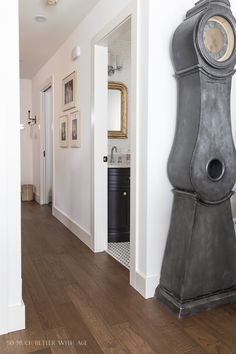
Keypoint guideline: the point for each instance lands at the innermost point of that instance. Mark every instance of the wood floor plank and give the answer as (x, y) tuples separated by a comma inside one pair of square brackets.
[(42, 302), (196, 351), (77, 329), (22, 342), (43, 351), (32, 319), (104, 300), (132, 340), (61, 342), (221, 325), (207, 340), (94, 320), (50, 280)]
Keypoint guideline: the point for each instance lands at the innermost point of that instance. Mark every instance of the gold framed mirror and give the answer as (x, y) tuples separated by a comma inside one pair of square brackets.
[(117, 110)]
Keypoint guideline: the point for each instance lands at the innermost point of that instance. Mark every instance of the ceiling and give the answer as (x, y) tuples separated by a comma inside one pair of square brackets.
[(39, 41)]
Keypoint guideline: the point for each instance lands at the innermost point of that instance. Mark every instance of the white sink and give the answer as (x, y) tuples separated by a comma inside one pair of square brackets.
[(120, 161), (118, 166)]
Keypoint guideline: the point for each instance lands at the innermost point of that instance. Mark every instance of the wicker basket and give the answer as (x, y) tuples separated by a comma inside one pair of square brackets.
[(27, 193)]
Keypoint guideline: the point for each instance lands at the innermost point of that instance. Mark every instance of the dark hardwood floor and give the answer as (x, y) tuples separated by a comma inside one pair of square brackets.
[(79, 302)]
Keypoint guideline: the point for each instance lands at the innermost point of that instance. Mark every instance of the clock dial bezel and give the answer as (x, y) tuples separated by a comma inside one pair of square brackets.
[(225, 50), (230, 31)]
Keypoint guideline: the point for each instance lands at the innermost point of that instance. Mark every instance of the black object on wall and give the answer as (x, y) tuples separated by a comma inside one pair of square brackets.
[(199, 266), (118, 204)]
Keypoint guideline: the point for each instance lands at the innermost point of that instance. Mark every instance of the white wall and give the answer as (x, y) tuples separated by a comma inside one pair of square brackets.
[(159, 130), (123, 49), (26, 134), (73, 166), (11, 306)]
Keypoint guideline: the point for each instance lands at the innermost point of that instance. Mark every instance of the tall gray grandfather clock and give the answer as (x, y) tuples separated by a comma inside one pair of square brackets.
[(199, 265)]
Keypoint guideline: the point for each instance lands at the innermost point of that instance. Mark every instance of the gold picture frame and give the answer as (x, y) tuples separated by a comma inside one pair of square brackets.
[(63, 133), (74, 130), (69, 91), (123, 132)]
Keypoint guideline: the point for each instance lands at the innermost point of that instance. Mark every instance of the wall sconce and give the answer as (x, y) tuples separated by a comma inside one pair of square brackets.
[(75, 54), (51, 2), (31, 121), (114, 64)]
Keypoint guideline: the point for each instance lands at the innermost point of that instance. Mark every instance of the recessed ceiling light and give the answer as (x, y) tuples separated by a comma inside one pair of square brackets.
[(40, 18)]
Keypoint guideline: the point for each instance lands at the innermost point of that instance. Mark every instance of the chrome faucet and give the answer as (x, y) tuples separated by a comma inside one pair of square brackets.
[(114, 148)]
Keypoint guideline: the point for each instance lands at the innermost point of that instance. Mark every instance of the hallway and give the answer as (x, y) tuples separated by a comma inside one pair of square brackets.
[(82, 303)]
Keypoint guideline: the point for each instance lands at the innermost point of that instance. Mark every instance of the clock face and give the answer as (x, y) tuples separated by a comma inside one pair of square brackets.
[(218, 37)]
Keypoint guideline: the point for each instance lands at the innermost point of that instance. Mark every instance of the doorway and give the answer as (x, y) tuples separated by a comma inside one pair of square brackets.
[(119, 147), (47, 147), (102, 149)]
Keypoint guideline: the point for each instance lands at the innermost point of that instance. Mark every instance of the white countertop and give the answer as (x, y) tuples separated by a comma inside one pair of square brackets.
[(117, 166)]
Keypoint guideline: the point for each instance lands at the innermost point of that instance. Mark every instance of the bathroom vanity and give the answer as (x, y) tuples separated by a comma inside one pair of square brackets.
[(118, 204), (118, 165)]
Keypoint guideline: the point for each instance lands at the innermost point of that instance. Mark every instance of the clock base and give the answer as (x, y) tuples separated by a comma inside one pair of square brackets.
[(193, 306), (199, 265)]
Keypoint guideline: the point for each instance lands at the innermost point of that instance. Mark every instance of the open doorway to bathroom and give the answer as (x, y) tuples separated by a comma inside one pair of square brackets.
[(114, 128), (119, 148)]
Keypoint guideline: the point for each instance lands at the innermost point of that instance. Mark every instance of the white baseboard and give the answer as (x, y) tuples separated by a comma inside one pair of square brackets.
[(16, 318), (146, 285), (76, 229), (37, 198)]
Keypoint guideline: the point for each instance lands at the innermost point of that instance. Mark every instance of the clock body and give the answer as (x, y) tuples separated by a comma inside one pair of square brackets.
[(203, 158), (199, 265)]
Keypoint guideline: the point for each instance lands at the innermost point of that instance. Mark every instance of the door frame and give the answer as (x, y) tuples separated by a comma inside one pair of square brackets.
[(4, 142), (47, 84), (99, 206)]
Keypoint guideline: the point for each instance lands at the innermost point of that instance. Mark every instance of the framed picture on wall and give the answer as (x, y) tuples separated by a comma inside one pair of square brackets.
[(75, 129), (69, 91), (63, 131)]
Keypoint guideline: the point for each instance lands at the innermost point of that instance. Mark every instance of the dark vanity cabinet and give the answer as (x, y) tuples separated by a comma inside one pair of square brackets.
[(118, 204)]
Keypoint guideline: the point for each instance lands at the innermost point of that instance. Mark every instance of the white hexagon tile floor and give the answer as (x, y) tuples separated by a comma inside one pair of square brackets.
[(121, 252)]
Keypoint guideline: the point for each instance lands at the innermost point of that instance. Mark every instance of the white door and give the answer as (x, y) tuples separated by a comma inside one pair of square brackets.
[(48, 148), (100, 148)]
